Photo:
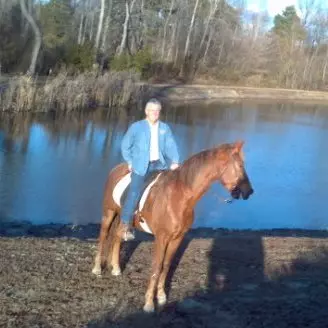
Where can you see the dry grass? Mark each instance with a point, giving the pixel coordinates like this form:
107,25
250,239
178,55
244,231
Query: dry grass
66,93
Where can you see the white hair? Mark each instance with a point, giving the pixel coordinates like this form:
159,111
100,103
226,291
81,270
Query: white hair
153,102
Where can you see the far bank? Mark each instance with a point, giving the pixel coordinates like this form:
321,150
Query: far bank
114,90
193,92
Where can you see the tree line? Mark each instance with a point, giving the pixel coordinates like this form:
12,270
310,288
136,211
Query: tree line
206,40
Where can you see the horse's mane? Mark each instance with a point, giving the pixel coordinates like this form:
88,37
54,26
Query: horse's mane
185,175
190,168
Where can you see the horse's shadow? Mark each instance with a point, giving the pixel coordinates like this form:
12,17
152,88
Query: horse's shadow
127,252
235,260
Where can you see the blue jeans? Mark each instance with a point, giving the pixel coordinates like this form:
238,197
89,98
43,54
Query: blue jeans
134,192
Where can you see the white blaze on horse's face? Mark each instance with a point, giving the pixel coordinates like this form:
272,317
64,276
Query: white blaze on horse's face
234,177
233,172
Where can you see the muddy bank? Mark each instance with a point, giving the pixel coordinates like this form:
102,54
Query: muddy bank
220,278
193,92
91,231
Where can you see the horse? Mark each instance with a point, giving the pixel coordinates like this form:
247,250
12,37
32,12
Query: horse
167,211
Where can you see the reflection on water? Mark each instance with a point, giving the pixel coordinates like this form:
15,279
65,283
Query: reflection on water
53,168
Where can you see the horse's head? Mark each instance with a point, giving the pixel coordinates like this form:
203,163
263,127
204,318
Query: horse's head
232,172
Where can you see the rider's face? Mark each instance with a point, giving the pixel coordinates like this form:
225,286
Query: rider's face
153,114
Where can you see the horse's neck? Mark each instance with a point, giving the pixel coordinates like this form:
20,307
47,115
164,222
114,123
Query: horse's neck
202,181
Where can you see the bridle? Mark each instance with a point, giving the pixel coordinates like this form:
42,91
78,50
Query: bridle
230,199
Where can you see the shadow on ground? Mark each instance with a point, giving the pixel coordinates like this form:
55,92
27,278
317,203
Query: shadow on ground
275,279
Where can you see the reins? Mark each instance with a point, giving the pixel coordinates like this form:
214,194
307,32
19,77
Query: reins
221,199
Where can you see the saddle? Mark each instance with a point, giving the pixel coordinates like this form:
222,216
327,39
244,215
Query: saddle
120,192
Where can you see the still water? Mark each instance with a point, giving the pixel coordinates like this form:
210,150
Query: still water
53,168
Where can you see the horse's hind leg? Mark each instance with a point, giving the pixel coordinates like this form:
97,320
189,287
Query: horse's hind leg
158,257
105,225
170,252
115,256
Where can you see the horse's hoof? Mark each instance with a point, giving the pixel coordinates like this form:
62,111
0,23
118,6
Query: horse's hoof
149,308
116,272
161,300
96,271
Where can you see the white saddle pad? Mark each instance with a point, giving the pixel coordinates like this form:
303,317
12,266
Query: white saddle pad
121,187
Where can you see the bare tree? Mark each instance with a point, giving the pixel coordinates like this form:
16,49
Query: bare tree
79,38
213,8
124,40
165,28
308,9
37,36
100,23
106,25
190,29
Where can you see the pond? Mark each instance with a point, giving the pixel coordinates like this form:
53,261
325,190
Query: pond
53,167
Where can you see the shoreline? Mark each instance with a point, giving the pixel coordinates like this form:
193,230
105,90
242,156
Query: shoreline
202,90
193,92
90,231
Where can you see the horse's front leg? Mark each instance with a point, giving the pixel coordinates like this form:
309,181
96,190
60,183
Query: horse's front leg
170,252
158,257
105,224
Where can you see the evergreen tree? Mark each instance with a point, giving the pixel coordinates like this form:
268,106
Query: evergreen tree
288,25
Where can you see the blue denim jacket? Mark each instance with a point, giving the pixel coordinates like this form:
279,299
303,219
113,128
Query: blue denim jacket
135,146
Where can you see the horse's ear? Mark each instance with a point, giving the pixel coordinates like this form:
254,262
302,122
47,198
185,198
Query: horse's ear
238,146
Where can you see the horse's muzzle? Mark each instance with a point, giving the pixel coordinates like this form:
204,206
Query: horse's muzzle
246,194
243,192
235,193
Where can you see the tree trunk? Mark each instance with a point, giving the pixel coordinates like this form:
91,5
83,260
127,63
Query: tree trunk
165,29
86,14
26,23
100,23
125,29
79,38
37,35
91,26
208,46
124,40
190,29
214,5
323,79
221,52
172,42
106,26
175,43
144,28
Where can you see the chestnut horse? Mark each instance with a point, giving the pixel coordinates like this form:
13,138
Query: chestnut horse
169,209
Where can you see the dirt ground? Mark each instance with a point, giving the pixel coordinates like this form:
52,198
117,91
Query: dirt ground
220,278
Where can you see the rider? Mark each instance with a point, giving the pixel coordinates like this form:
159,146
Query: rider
146,146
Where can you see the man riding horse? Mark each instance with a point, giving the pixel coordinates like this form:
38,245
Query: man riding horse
146,146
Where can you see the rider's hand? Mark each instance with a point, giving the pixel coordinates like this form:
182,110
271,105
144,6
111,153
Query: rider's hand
174,166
